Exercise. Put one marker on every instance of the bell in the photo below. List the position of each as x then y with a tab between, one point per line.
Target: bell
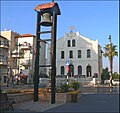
46	19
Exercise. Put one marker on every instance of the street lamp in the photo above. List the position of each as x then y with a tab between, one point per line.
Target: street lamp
109	38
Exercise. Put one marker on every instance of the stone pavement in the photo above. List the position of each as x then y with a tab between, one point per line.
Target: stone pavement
32	107
88	103
91	103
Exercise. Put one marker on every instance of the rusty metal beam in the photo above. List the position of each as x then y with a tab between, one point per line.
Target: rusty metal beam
44	66
44	40
53	62
43	32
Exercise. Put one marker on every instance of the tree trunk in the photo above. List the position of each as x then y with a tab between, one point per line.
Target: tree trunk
111	63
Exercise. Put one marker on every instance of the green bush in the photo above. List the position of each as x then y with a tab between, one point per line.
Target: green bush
73	92
75	85
64	88
115	75
58	90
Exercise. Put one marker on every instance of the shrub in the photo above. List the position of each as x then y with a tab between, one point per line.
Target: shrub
73	92
58	90
64	88
75	85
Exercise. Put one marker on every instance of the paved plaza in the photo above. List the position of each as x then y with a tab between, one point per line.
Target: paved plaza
91	103
88	103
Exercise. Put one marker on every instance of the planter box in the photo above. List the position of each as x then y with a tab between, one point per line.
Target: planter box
20	97
60	97
74	98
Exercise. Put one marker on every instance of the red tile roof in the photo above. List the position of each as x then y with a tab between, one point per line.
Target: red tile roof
44	6
25	35
47	6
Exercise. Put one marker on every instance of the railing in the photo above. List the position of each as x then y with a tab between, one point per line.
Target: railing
3	62
17	54
107	89
4	44
25	47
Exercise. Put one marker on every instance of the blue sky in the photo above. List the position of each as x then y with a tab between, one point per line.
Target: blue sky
93	19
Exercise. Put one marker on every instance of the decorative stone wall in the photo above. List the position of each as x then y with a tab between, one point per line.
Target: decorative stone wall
60	97
20	97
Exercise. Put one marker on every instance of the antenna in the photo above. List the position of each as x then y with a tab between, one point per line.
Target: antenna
8	23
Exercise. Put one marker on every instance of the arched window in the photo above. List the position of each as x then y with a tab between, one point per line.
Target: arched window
70	54
62	54
88	53
73	43
88	71
79	70
62	70
79	54
71	70
68	43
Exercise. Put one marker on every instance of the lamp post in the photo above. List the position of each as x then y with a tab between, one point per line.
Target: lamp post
46	17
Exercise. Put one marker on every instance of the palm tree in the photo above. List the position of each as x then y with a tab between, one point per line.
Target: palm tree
110	52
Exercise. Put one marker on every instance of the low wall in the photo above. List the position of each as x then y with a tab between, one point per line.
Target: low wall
20	97
60	97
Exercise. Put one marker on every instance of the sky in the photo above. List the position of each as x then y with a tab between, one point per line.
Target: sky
93	19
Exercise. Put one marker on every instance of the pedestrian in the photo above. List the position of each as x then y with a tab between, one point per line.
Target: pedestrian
8	82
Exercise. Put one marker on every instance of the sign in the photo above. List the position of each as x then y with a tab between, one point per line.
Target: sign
67	68
67	62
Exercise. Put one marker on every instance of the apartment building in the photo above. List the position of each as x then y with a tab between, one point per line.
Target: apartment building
12	62
4	52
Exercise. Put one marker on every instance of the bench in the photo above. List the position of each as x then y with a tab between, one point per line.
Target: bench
6	102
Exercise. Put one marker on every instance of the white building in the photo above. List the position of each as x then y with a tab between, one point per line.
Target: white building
83	54
21	55
27	52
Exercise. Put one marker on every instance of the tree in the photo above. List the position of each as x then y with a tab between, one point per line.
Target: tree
110	52
115	75
105	75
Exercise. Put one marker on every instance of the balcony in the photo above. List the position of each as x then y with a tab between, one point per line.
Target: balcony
25	46
4	45
18	54
26	63
3	62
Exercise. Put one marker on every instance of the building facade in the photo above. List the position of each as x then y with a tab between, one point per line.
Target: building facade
12	62
83	56
26	57
4	52
22	51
